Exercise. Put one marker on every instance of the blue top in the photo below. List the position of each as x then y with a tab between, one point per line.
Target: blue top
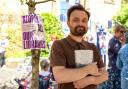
122	61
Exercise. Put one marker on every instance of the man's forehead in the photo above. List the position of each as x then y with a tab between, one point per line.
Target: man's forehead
79	14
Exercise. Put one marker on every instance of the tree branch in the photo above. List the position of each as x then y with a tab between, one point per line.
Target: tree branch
44	1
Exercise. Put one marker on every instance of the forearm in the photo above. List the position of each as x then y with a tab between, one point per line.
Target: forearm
65	75
84	82
95	80
102	78
89	80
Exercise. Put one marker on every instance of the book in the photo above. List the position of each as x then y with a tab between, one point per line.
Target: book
83	57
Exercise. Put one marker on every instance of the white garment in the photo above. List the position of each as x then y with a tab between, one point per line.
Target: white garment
44	73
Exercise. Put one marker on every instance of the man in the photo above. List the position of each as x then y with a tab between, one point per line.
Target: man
69	72
114	46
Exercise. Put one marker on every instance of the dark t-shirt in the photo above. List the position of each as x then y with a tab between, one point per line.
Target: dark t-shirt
62	54
113	49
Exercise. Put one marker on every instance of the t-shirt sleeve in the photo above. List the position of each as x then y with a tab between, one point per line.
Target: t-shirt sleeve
57	57
97	57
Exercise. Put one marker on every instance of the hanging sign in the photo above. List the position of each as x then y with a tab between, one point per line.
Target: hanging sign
33	35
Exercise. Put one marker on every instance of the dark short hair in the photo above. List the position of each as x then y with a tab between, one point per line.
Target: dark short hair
77	7
118	27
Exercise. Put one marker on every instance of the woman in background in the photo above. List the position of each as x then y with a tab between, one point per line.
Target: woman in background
122	63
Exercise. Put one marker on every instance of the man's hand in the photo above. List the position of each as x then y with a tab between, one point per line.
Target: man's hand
122	39
93	69
89	80
102	78
84	82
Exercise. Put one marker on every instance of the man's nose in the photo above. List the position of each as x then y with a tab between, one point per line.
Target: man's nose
81	23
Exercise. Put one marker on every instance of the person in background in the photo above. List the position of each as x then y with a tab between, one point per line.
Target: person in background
45	81
114	46
76	64
102	38
53	38
122	63
4	42
44	64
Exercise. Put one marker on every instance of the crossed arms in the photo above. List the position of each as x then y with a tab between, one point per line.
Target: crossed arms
79	76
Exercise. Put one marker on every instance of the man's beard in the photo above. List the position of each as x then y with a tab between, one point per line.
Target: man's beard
78	31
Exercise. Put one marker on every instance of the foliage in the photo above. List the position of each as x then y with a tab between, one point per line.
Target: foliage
122	15
15	44
52	26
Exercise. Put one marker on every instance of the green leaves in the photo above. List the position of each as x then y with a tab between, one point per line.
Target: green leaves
52	26
122	15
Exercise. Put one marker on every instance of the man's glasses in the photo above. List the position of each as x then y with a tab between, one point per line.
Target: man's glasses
122	31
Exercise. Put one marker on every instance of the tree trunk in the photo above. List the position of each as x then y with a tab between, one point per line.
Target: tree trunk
35	53
35	68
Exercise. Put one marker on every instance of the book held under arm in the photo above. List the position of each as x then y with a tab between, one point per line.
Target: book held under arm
83	57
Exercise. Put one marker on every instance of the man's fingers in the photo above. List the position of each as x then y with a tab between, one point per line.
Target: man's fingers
75	85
